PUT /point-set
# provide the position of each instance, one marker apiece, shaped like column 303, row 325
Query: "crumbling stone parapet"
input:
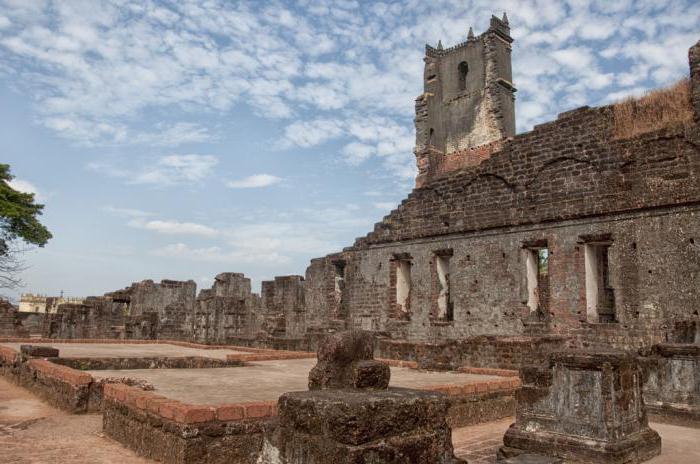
column 694, row 60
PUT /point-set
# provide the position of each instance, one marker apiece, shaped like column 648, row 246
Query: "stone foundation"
column 585, row 407
column 394, row 426
column 672, row 387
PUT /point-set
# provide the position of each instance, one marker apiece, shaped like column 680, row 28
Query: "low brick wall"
column 173, row 432
column 111, row 341
column 156, row 362
column 269, row 355
column 474, row 403
column 483, row 351
column 61, row 386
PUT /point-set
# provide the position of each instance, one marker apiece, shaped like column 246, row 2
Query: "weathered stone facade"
column 582, row 406
column 10, row 324
column 566, row 231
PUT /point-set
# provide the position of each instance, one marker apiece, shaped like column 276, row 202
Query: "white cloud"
column 175, row 228
column 311, row 133
column 218, row 255
column 340, row 70
column 166, row 171
column 25, row 186
column 357, row 152
column 127, row 212
column 385, row 205
column 254, row 181
column 174, row 169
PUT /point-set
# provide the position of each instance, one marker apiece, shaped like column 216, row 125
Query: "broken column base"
column 394, row 426
column 634, row 448
column 582, row 407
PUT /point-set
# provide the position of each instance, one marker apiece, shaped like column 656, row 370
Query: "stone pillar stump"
column 583, row 406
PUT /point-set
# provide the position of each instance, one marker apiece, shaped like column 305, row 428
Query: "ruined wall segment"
column 468, row 100
column 227, row 310
column 10, row 325
column 694, row 59
column 562, row 184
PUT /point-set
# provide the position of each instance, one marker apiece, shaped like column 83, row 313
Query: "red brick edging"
column 488, row 371
column 471, row 389
column 149, row 402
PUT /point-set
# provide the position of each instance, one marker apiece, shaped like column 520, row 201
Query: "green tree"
column 19, row 228
column 19, row 214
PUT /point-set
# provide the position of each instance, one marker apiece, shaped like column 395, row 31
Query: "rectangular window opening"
column 403, row 286
column 445, row 309
column 537, row 276
column 339, row 278
column 600, row 296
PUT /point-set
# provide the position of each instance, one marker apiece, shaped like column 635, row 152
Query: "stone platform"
column 584, row 407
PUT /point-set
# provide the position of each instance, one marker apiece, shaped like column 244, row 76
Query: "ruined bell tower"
column 468, row 98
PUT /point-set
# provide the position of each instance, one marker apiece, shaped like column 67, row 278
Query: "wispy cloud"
column 175, row 228
column 325, row 70
column 254, row 181
column 127, row 212
column 166, row 171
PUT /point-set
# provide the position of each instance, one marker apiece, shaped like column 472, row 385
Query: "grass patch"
column 654, row 110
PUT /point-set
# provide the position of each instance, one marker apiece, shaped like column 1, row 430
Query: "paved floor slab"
column 263, row 381
column 118, row 350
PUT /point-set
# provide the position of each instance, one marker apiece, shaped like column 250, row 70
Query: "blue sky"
column 185, row 138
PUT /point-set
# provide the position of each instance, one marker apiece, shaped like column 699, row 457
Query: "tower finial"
column 439, row 46
column 505, row 18
column 470, row 36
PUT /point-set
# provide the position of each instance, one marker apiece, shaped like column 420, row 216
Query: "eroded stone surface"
column 345, row 361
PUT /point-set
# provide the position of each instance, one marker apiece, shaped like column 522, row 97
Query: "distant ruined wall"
column 225, row 311
column 9, row 321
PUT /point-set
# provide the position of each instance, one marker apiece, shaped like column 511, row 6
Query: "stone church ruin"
column 570, row 252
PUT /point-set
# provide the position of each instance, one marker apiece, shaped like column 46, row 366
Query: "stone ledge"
column 62, row 373
column 270, row 355
column 112, row 341
column 474, row 389
column 185, row 413
column 399, row 363
column 488, row 371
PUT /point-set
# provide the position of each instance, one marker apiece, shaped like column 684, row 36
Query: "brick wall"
column 694, row 59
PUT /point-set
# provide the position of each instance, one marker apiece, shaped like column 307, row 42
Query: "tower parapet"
column 468, row 95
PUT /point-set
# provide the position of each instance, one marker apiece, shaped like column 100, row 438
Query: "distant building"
column 31, row 303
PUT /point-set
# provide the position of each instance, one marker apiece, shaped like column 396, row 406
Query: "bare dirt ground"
column 31, row 432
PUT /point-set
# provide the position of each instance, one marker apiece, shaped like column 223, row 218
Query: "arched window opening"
column 463, row 69
column 430, row 136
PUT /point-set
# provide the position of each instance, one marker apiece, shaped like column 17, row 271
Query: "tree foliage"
column 19, row 214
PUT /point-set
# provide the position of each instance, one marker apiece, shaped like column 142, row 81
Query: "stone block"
column 35, row 351
column 591, row 412
column 359, row 426
column 371, row 374
column 345, row 360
